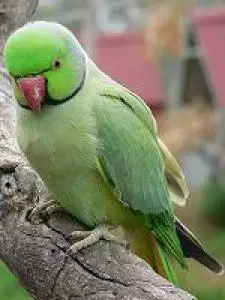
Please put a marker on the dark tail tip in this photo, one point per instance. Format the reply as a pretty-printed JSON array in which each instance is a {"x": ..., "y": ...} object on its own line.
[
  {"x": 192, "y": 248},
  {"x": 208, "y": 261}
]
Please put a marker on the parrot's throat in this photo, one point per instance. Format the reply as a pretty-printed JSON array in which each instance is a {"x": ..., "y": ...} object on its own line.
[{"x": 34, "y": 91}]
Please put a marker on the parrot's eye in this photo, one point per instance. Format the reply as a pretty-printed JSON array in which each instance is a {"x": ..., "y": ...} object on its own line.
[{"x": 57, "y": 64}]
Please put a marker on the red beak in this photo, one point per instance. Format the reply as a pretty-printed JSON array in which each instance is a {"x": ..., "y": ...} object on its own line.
[{"x": 33, "y": 89}]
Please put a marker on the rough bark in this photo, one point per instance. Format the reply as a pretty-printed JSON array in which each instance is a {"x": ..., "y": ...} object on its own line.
[{"x": 37, "y": 254}]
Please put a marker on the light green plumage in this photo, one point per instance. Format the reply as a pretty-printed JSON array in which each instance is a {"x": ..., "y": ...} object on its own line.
[{"x": 100, "y": 155}]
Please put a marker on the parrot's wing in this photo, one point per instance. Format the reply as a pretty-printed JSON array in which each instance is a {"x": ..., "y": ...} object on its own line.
[
  {"x": 131, "y": 161},
  {"x": 174, "y": 175}
]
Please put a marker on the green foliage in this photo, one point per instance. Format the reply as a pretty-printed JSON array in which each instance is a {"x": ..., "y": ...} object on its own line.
[
  {"x": 212, "y": 294},
  {"x": 10, "y": 289},
  {"x": 213, "y": 203}
]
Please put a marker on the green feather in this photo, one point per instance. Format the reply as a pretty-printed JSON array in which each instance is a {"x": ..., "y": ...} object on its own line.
[
  {"x": 174, "y": 175},
  {"x": 171, "y": 276},
  {"x": 132, "y": 162}
]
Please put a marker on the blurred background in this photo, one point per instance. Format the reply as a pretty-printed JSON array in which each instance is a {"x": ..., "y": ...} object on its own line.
[{"x": 171, "y": 53}]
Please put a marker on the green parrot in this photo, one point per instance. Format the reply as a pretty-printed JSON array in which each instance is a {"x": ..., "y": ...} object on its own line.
[{"x": 95, "y": 145}]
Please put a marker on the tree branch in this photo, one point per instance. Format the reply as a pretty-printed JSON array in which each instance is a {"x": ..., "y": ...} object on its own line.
[{"x": 37, "y": 254}]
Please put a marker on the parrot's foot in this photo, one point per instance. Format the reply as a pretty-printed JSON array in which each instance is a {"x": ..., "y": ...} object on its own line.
[
  {"x": 43, "y": 210},
  {"x": 106, "y": 232}
]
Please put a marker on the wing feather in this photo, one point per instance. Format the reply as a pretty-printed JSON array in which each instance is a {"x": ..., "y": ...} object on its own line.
[
  {"x": 131, "y": 159},
  {"x": 174, "y": 175}
]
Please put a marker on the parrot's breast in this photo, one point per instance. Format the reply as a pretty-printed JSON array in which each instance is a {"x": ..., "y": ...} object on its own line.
[{"x": 64, "y": 153}]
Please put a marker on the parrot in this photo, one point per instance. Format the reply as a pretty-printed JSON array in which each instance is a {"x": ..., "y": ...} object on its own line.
[{"x": 96, "y": 146}]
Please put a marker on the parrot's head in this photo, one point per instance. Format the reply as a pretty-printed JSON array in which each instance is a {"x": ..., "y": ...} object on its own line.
[{"x": 46, "y": 63}]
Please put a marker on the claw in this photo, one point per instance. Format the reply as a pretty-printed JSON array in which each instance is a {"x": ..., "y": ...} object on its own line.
[
  {"x": 79, "y": 234},
  {"x": 108, "y": 233},
  {"x": 43, "y": 210}
]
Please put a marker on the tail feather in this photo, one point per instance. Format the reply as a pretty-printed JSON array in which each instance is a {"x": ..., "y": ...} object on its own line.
[
  {"x": 168, "y": 268},
  {"x": 192, "y": 248},
  {"x": 161, "y": 262}
]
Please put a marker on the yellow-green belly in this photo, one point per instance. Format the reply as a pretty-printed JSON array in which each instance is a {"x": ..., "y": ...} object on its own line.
[{"x": 90, "y": 200}]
